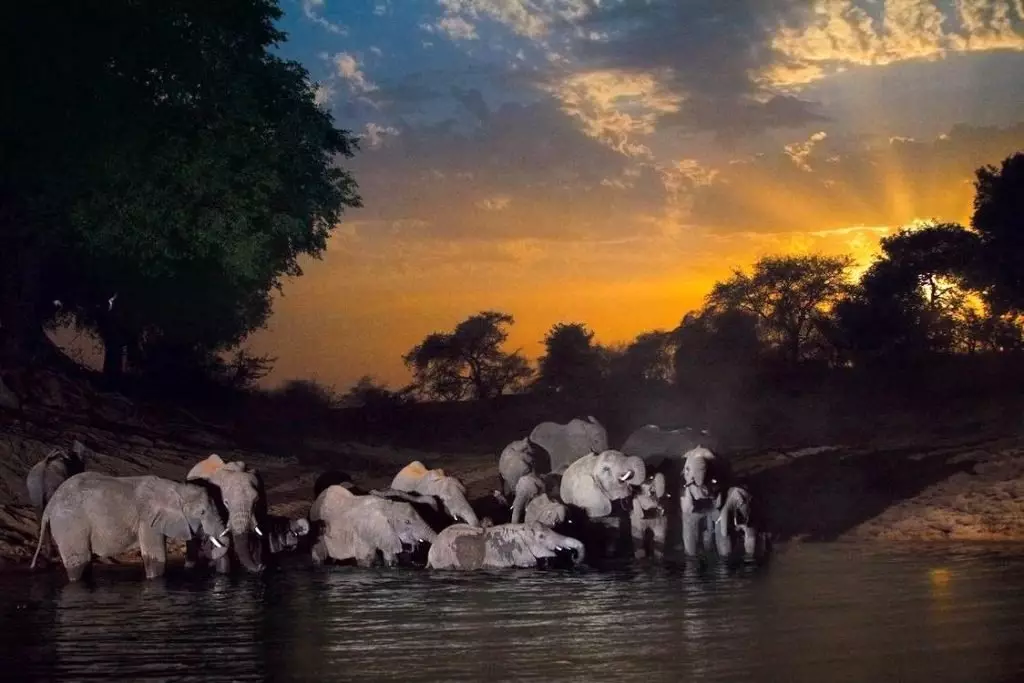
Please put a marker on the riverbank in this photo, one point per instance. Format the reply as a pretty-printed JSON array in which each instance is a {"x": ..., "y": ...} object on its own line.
[{"x": 959, "y": 480}]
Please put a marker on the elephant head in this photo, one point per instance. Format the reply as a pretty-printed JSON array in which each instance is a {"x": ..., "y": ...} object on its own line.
[
  {"x": 737, "y": 516},
  {"x": 546, "y": 511},
  {"x": 703, "y": 474},
  {"x": 407, "y": 524},
  {"x": 241, "y": 492},
  {"x": 527, "y": 488},
  {"x": 187, "y": 511},
  {"x": 285, "y": 534},
  {"x": 594, "y": 481},
  {"x": 416, "y": 478},
  {"x": 515, "y": 461},
  {"x": 522, "y": 545},
  {"x": 648, "y": 496},
  {"x": 565, "y": 443}
]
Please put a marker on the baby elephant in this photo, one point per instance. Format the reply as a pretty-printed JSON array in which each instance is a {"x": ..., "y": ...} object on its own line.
[
  {"x": 96, "y": 514},
  {"x": 283, "y": 535},
  {"x": 647, "y": 519},
  {"x": 52, "y": 471},
  {"x": 462, "y": 546}
]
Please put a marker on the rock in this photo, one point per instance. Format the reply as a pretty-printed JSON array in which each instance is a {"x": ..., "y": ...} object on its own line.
[{"x": 8, "y": 399}]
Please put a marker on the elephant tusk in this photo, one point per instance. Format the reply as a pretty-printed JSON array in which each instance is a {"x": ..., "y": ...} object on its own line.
[
  {"x": 627, "y": 476},
  {"x": 224, "y": 533},
  {"x": 216, "y": 542},
  {"x": 257, "y": 528},
  {"x": 422, "y": 540}
]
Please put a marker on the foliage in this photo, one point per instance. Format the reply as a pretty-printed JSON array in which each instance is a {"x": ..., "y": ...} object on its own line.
[
  {"x": 648, "y": 359},
  {"x": 788, "y": 295},
  {"x": 999, "y": 221},
  {"x": 194, "y": 169},
  {"x": 468, "y": 361},
  {"x": 571, "y": 360},
  {"x": 370, "y": 394}
]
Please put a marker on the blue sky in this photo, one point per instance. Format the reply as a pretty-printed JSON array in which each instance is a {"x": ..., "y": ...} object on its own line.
[{"x": 606, "y": 161}]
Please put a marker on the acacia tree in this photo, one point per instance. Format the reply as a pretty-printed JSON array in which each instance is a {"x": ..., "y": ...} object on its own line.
[
  {"x": 788, "y": 296},
  {"x": 468, "y": 361},
  {"x": 181, "y": 166},
  {"x": 999, "y": 221},
  {"x": 571, "y": 360}
]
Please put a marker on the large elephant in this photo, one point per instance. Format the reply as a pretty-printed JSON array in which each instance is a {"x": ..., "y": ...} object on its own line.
[
  {"x": 462, "y": 546},
  {"x": 739, "y": 521},
  {"x": 527, "y": 488},
  {"x": 601, "y": 486},
  {"x": 651, "y": 440},
  {"x": 416, "y": 478},
  {"x": 351, "y": 527},
  {"x": 565, "y": 443},
  {"x": 97, "y": 514},
  {"x": 240, "y": 496},
  {"x": 705, "y": 479},
  {"x": 515, "y": 461},
  {"x": 648, "y": 519},
  {"x": 283, "y": 534},
  {"x": 49, "y": 473}
]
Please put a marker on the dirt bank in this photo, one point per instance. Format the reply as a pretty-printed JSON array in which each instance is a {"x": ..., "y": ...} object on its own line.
[{"x": 929, "y": 486}]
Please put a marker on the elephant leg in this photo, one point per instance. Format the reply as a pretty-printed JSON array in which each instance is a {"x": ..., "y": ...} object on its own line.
[
  {"x": 366, "y": 560},
  {"x": 191, "y": 553},
  {"x": 223, "y": 564},
  {"x": 658, "y": 534},
  {"x": 319, "y": 553},
  {"x": 691, "y": 533},
  {"x": 723, "y": 539},
  {"x": 390, "y": 559},
  {"x": 152, "y": 545},
  {"x": 749, "y": 541}
]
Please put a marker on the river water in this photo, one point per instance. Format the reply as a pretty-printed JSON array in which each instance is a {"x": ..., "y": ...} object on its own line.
[{"x": 822, "y": 613}]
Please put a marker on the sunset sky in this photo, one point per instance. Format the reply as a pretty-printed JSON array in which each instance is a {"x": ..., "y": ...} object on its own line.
[{"x": 606, "y": 161}]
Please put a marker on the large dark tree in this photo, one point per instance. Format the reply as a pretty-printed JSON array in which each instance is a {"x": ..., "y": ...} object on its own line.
[
  {"x": 165, "y": 155},
  {"x": 999, "y": 220},
  {"x": 571, "y": 360},
  {"x": 788, "y": 296},
  {"x": 469, "y": 361}
]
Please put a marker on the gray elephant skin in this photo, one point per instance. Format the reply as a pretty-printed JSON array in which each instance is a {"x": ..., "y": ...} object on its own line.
[
  {"x": 239, "y": 494},
  {"x": 465, "y": 547},
  {"x": 416, "y": 478},
  {"x": 648, "y": 519},
  {"x": 48, "y": 474},
  {"x": 705, "y": 480},
  {"x": 97, "y": 514},
  {"x": 363, "y": 529},
  {"x": 283, "y": 534},
  {"x": 515, "y": 461},
  {"x": 565, "y": 443},
  {"x": 740, "y": 522},
  {"x": 601, "y": 486}
]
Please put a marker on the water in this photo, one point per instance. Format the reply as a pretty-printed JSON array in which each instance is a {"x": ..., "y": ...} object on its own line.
[{"x": 822, "y": 613}]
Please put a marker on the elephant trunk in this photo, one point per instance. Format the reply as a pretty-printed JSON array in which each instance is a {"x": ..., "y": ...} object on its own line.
[
  {"x": 518, "y": 507},
  {"x": 569, "y": 543},
  {"x": 240, "y": 526}
]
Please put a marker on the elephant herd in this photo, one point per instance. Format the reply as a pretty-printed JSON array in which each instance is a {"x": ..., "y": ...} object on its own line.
[{"x": 564, "y": 496}]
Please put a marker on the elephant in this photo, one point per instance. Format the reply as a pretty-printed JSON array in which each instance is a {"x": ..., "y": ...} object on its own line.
[
  {"x": 283, "y": 534},
  {"x": 705, "y": 479},
  {"x": 49, "y": 473},
  {"x": 651, "y": 440},
  {"x": 739, "y": 522},
  {"x": 352, "y": 527},
  {"x": 527, "y": 488},
  {"x": 416, "y": 478},
  {"x": 462, "y": 546},
  {"x": 601, "y": 486},
  {"x": 514, "y": 462},
  {"x": 547, "y": 511},
  {"x": 648, "y": 520},
  {"x": 97, "y": 514},
  {"x": 565, "y": 443},
  {"x": 241, "y": 498}
]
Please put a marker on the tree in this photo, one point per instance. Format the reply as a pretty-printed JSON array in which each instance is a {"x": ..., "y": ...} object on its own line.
[
  {"x": 368, "y": 393},
  {"x": 999, "y": 221},
  {"x": 571, "y": 360},
  {"x": 181, "y": 166},
  {"x": 715, "y": 347},
  {"x": 787, "y": 295},
  {"x": 468, "y": 361},
  {"x": 648, "y": 359},
  {"x": 914, "y": 299}
]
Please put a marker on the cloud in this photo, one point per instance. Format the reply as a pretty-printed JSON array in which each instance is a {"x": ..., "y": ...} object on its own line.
[
  {"x": 375, "y": 134},
  {"x": 455, "y": 28},
  {"x": 312, "y": 9},
  {"x": 348, "y": 70}
]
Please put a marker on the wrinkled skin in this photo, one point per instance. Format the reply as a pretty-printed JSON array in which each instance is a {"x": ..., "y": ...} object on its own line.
[
  {"x": 651, "y": 440},
  {"x": 330, "y": 478},
  {"x": 739, "y": 523},
  {"x": 527, "y": 488},
  {"x": 96, "y": 514},
  {"x": 647, "y": 518},
  {"x": 514, "y": 462},
  {"x": 48, "y": 474},
  {"x": 597, "y": 482},
  {"x": 359, "y": 528},
  {"x": 461, "y": 546},
  {"x": 565, "y": 443},
  {"x": 239, "y": 493},
  {"x": 705, "y": 479},
  {"x": 416, "y": 478}
]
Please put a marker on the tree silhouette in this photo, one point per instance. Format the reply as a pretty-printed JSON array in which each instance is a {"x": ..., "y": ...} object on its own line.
[
  {"x": 788, "y": 296},
  {"x": 648, "y": 359},
  {"x": 468, "y": 361},
  {"x": 181, "y": 166},
  {"x": 999, "y": 220},
  {"x": 712, "y": 346},
  {"x": 571, "y": 360}
]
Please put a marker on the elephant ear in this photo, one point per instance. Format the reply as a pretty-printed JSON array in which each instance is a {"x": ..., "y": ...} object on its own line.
[
  {"x": 580, "y": 488},
  {"x": 409, "y": 476},
  {"x": 206, "y": 468},
  {"x": 169, "y": 518}
]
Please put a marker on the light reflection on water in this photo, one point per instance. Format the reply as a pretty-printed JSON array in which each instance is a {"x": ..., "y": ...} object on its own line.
[{"x": 815, "y": 613}]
